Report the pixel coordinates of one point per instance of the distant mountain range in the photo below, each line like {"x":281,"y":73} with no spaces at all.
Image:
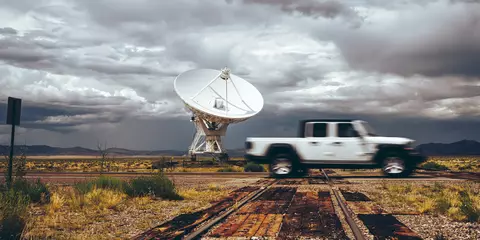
{"x":43,"y":150}
{"x":460,"y":148}
{"x":464,"y":147}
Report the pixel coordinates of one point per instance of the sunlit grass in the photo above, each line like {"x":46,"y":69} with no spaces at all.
{"x":108,"y":213}
{"x":471,"y":164}
{"x":460,"y":202}
{"x":119,"y":164}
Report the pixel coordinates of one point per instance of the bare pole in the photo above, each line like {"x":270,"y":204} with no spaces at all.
{"x":10,"y":158}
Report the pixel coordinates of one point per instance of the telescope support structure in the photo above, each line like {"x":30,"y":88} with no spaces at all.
{"x":208,"y":139}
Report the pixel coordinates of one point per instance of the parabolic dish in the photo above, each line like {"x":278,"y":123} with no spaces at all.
{"x":234,"y":98}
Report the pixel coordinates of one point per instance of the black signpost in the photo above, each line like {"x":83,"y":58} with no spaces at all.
{"x":13,"y":118}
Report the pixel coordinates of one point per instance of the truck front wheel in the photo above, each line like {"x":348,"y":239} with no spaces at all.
{"x":281,"y":166}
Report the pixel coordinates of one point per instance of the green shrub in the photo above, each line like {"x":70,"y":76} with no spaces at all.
{"x":158,"y":185}
{"x":468,"y":207}
{"x":230,"y":169}
{"x":434,"y":166}
{"x":253,"y":167}
{"x":36,"y":191}
{"x":104,"y":182}
{"x":13,"y":213}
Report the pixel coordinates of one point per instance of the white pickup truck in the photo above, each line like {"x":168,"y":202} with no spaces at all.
{"x":334,"y":143}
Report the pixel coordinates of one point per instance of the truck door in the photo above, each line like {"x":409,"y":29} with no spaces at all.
{"x":346,"y":144}
{"x":310,"y":147}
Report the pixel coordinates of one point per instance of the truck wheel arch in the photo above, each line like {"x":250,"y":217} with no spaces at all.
{"x":383,"y":149}
{"x":283,"y":148}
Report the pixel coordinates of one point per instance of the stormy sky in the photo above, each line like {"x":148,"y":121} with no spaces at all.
{"x":91,"y":70}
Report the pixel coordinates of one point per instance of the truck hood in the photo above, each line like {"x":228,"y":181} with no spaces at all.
{"x":388,"y":140}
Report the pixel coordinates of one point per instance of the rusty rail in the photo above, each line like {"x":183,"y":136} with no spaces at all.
{"x":357,"y":233}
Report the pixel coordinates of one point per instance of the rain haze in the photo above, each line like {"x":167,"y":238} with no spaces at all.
{"x":104,"y":69}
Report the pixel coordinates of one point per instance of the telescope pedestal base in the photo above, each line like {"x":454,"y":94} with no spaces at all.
{"x":208,"y":139}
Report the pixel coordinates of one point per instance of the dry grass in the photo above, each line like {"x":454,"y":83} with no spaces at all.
{"x":467,"y":163}
{"x":107,"y":214}
{"x":118,"y":164}
{"x":460,"y":202}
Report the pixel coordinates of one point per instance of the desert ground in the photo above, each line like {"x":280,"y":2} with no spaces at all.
{"x":71,"y":197}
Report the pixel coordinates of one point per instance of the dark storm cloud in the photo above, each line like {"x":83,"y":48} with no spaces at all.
{"x":29,"y":53}
{"x":15,"y":50}
{"x":60,"y":118}
{"x":327,"y":9}
{"x":438,"y":39}
{"x":34,"y":111}
{"x":273,"y":123}
{"x":8,"y":31}
{"x":153,"y":23}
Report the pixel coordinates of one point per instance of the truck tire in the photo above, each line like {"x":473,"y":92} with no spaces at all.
{"x":282,"y":166}
{"x":394,"y":165}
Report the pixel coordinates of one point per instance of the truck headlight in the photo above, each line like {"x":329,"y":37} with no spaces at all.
{"x":248,"y":145}
{"x":409,"y":146}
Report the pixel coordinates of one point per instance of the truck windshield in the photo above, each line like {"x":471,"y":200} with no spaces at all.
{"x":370,"y":131}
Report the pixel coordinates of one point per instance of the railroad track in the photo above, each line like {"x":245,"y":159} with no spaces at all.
{"x":272,"y":209}
{"x":266,"y":211}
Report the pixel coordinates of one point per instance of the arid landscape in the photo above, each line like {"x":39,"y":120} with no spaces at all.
{"x":71,"y":197}
{"x":240,"y":119}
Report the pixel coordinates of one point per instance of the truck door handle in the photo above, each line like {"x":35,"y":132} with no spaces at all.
{"x":336,"y":143}
{"x":314,"y":143}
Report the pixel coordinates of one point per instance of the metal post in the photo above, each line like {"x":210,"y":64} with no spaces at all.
{"x":10,"y":159}
{"x":14,"y":110}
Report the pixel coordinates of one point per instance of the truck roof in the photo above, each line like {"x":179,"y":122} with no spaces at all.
{"x":326,"y":120}
{"x":301,"y":125}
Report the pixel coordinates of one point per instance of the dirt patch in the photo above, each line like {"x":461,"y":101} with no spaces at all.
{"x":387,"y":227}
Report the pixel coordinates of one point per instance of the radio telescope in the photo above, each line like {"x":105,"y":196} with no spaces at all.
{"x":216,"y":99}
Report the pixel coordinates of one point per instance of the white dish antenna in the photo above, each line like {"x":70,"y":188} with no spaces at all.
{"x":216,"y":99}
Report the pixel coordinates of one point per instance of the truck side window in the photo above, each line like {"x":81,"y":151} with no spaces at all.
{"x":319,"y":130}
{"x":346,"y":130}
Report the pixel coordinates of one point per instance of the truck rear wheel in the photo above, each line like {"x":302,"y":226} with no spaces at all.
{"x":394,"y":165}
{"x":281,"y":166}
